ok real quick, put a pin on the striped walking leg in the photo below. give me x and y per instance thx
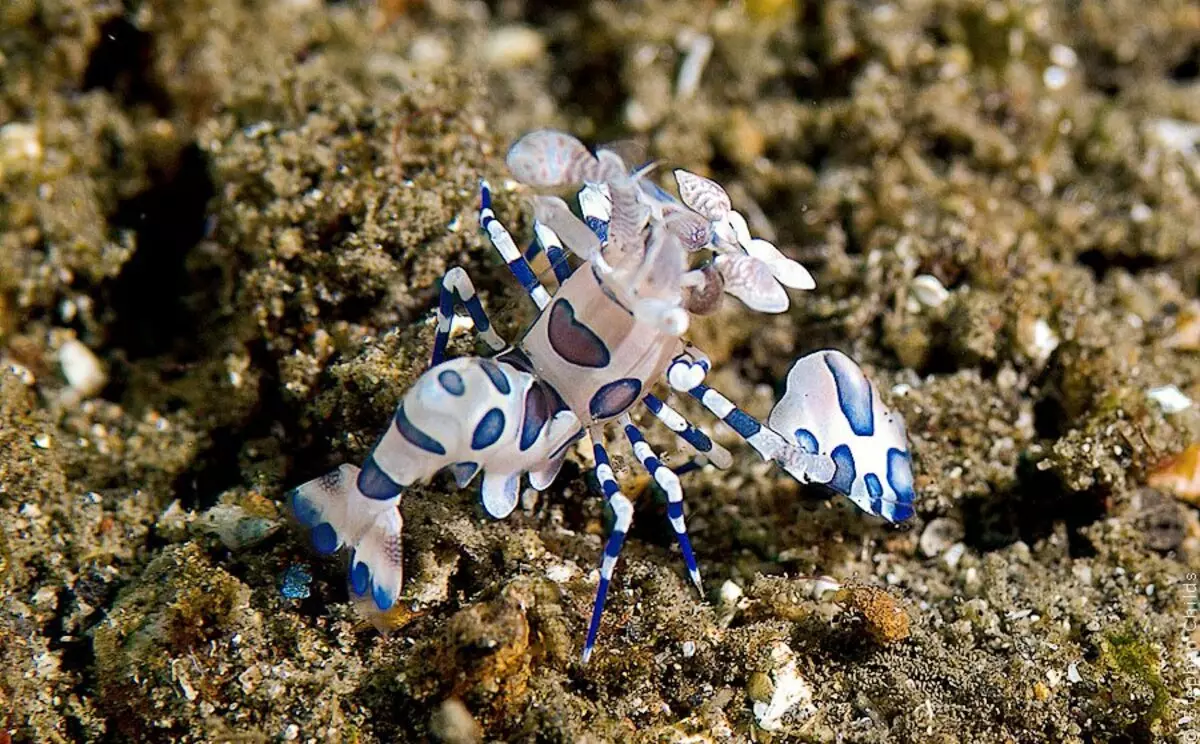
(503, 243)
(804, 466)
(669, 482)
(546, 240)
(623, 512)
(709, 450)
(457, 282)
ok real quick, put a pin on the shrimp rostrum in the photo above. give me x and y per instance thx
(630, 273)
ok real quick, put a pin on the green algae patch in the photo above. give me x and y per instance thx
(1135, 690)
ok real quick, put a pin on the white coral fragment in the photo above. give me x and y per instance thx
(791, 691)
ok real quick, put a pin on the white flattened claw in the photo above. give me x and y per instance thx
(376, 570)
(751, 281)
(703, 195)
(789, 273)
(540, 480)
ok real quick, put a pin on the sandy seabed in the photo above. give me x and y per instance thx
(222, 224)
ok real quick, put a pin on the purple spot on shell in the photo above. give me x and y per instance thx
(574, 341)
(614, 398)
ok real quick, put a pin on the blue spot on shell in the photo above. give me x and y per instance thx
(614, 398)
(875, 491)
(488, 430)
(806, 441)
(901, 512)
(496, 375)
(900, 478)
(374, 483)
(536, 413)
(360, 578)
(574, 341)
(843, 477)
(383, 600)
(295, 582)
(324, 538)
(854, 394)
(414, 435)
(452, 382)
(305, 511)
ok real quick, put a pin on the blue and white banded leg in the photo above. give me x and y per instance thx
(804, 466)
(555, 253)
(502, 241)
(669, 482)
(708, 450)
(457, 282)
(623, 520)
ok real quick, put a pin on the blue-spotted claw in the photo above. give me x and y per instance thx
(831, 408)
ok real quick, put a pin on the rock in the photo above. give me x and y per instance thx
(939, 535)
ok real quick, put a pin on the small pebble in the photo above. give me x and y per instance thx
(928, 291)
(513, 46)
(82, 369)
(453, 723)
(1055, 77)
(19, 141)
(1177, 135)
(939, 535)
(1073, 673)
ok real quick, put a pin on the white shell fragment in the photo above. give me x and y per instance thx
(939, 536)
(791, 691)
(1170, 398)
(698, 48)
(513, 46)
(928, 291)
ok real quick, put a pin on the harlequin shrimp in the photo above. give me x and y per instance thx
(629, 276)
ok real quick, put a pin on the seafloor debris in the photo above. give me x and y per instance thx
(1180, 475)
(295, 581)
(883, 615)
(780, 690)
